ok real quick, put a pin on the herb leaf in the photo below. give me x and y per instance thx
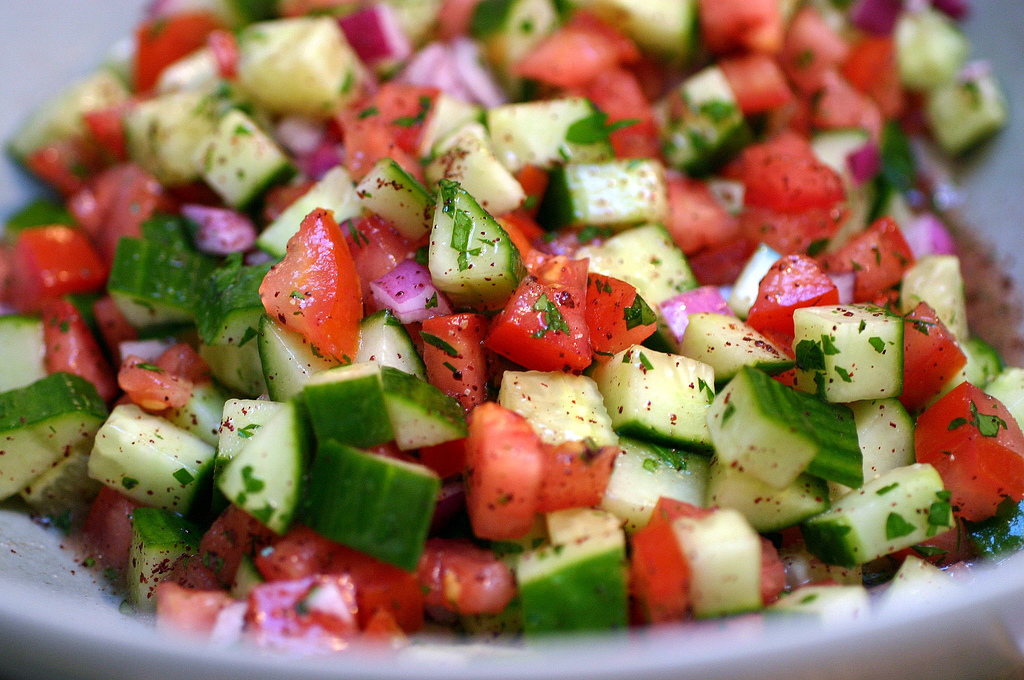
(595, 128)
(551, 317)
(439, 343)
(638, 314)
(897, 527)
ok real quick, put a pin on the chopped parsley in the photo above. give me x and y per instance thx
(409, 121)
(595, 128)
(730, 410)
(252, 483)
(248, 431)
(646, 363)
(439, 343)
(828, 346)
(897, 527)
(809, 356)
(844, 374)
(986, 424)
(886, 489)
(638, 314)
(702, 386)
(129, 483)
(432, 302)
(184, 477)
(878, 344)
(551, 317)
(149, 367)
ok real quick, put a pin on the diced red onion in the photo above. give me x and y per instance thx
(677, 311)
(864, 163)
(408, 291)
(913, 6)
(474, 75)
(975, 71)
(221, 231)
(456, 70)
(375, 34)
(159, 9)
(927, 235)
(257, 257)
(451, 499)
(875, 16)
(955, 9)
(845, 283)
(322, 160)
(300, 135)
(227, 629)
(147, 350)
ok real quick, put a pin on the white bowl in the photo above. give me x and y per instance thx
(57, 621)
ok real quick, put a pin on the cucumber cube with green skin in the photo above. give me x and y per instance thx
(1008, 387)
(246, 578)
(446, 116)
(173, 231)
(745, 289)
(301, 66)
(155, 285)
(288, 360)
(194, 72)
(549, 133)
(930, 49)
(383, 340)
(266, 478)
(391, 192)
(658, 397)
(776, 433)
(827, 605)
(618, 194)
(765, 507)
(167, 135)
(575, 524)
(727, 344)
(159, 538)
(231, 309)
(472, 260)
(963, 114)
(560, 407)
(983, 362)
(724, 553)
(346, 404)
(666, 27)
(335, 192)
(241, 419)
(150, 460)
(466, 157)
(803, 568)
(22, 340)
(937, 280)
(885, 432)
(42, 423)
(508, 30)
(380, 506)
(237, 367)
(701, 123)
(241, 161)
(64, 489)
(1001, 535)
(848, 353)
(201, 414)
(897, 510)
(421, 415)
(643, 473)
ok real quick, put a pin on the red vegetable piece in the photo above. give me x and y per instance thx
(454, 355)
(794, 282)
(931, 357)
(107, 532)
(71, 348)
(161, 42)
(575, 476)
(465, 579)
(51, 262)
(310, 614)
(757, 81)
(741, 25)
(878, 257)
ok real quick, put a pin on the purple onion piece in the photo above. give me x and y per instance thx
(955, 9)
(451, 499)
(408, 291)
(845, 283)
(475, 76)
(221, 231)
(300, 135)
(322, 160)
(927, 235)
(864, 163)
(375, 34)
(677, 310)
(875, 16)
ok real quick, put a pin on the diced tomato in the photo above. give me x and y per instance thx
(669, 510)
(837, 106)
(71, 348)
(465, 579)
(522, 230)
(577, 53)
(107, 532)
(50, 262)
(189, 611)
(382, 627)
(114, 328)
(453, 353)
(534, 182)
(161, 42)
(300, 553)
(232, 535)
(455, 18)
(281, 197)
(151, 387)
(944, 549)
(543, 327)
(616, 315)
(741, 25)
(792, 233)
(757, 81)
(575, 475)
(375, 246)
(617, 92)
(404, 108)
(811, 50)
(184, 362)
(878, 257)
(720, 265)
(368, 139)
(784, 175)
(931, 357)
(225, 52)
(773, 573)
(696, 219)
(794, 282)
(380, 587)
(188, 571)
(504, 470)
(315, 289)
(64, 165)
(309, 614)
(787, 378)
(659, 573)
(107, 129)
(445, 459)
(977, 446)
(871, 68)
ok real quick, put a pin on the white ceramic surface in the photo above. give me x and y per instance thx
(57, 622)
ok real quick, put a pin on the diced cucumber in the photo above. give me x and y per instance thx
(240, 421)
(658, 397)
(377, 505)
(765, 507)
(575, 586)
(745, 289)
(963, 114)
(346, 404)
(417, 18)
(237, 367)
(510, 29)
(619, 194)
(334, 192)
(155, 285)
(897, 510)
(266, 478)
(201, 414)
(775, 432)
(560, 407)
(666, 27)
(159, 538)
(726, 344)
(826, 604)
(384, 340)
(1001, 535)
(702, 125)
(575, 524)
(472, 260)
(231, 307)
(936, 279)
(298, 66)
(724, 553)
(288, 360)
(150, 460)
(174, 231)
(1008, 387)
(61, 117)
(65, 488)
(466, 157)
(167, 135)
(930, 49)
(983, 362)
(848, 352)
(246, 578)
(539, 133)
(240, 161)
(643, 473)
(22, 337)
(915, 581)
(803, 568)
(885, 432)
(194, 72)
(42, 423)
(446, 116)
(391, 192)
(833, 147)
(421, 415)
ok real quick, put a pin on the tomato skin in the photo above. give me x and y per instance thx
(232, 535)
(757, 81)
(741, 25)
(721, 265)
(811, 49)
(837, 106)
(446, 459)
(114, 328)
(784, 175)
(184, 610)
(278, 619)
(375, 246)
(161, 42)
(791, 233)
(504, 471)
(64, 165)
(50, 262)
(404, 108)
(534, 181)
(977, 447)
(575, 476)
(369, 139)
(607, 301)
(522, 230)
(465, 579)
(300, 553)
(669, 510)
(184, 362)
(71, 348)
(696, 219)
(107, 129)
(225, 52)
(931, 357)
(315, 289)
(281, 197)
(878, 256)
(380, 587)
(871, 68)
(659, 573)
(463, 376)
(152, 389)
(773, 573)
(792, 283)
(107, 532)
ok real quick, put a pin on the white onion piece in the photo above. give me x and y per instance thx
(408, 291)
(221, 231)
(845, 283)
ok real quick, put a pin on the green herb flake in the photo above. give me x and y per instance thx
(366, 113)
(456, 373)
(590, 233)
(149, 367)
(646, 363)
(248, 431)
(730, 410)
(551, 317)
(439, 343)
(878, 344)
(886, 489)
(252, 483)
(844, 374)
(129, 483)
(638, 314)
(817, 247)
(863, 325)
(897, 527)
(651, 465)
(595, 128)
(410, 121)
(828, 346)
(432, 302)
(940, 514)
(243, 131)
(808, 599)
(809, 356)
(184, 477)
(703, 386)
(929, 550)
(89, 563)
